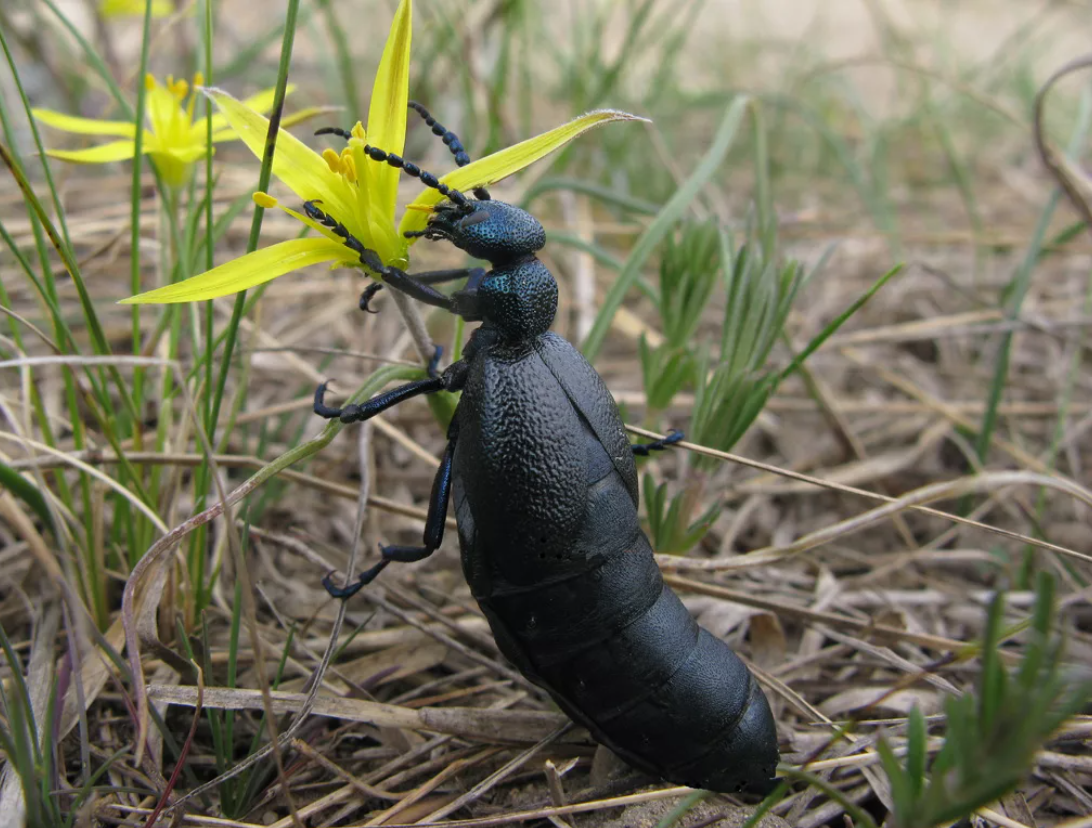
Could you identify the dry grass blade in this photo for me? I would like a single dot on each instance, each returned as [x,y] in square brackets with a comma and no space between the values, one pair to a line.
[913,500]
[507,726]
[874,136]
[1073,180]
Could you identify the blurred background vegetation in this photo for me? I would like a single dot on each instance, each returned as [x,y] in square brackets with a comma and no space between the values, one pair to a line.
[835,252]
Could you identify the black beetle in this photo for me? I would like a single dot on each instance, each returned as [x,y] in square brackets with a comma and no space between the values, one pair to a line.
[545,489]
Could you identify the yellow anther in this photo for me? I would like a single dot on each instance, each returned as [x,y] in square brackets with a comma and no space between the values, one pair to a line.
[198,78]
[149,82]
[179,88]
[332,159]
[348,167]
[264,200]
[358,131]
[421,208]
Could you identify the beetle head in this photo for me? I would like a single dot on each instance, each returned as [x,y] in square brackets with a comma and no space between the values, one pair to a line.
[489,230]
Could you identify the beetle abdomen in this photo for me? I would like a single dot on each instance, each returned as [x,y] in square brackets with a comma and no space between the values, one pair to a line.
[614,646]
[649,683]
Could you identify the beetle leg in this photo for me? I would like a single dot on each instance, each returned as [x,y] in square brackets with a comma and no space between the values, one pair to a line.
[474,276]
[434,530]
[452,379]
[399,280]
[357,412]
[366,577]
[433,367]
[462,303]
[644,449]
[369,293]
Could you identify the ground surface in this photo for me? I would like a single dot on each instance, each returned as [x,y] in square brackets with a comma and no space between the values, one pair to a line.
[898,133]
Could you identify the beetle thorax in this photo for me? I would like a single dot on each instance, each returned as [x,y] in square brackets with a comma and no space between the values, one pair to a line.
[519,299]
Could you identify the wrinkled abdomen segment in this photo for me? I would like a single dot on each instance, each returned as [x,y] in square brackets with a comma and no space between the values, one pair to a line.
[631,664]
[619,652]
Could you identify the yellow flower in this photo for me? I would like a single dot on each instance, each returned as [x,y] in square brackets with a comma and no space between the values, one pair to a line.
[352,189]
[131,8]
[173,138]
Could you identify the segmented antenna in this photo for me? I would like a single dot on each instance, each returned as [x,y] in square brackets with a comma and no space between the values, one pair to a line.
[408,167]
[338,131]
[427,178]
[446,135]
[452,141]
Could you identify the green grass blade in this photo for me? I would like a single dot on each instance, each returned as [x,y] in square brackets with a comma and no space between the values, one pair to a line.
[26,491]
[256,224]
[837,322]
[664,221]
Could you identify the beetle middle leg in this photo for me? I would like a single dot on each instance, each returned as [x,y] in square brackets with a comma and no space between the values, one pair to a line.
[644,449]
[357,412]
[452,379]
[434,528]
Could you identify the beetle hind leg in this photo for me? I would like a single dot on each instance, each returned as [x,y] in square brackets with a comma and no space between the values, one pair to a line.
[434,531]
[406,554]
[365,578]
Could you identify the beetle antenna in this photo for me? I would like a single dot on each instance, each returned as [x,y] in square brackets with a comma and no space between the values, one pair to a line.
[444,134]
[338,131]
[427,178]
[451,140]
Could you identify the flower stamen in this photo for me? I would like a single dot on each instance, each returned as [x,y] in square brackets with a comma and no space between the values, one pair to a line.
[348,166]
[332,159]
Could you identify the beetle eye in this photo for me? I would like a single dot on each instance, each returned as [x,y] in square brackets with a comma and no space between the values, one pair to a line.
[477,217]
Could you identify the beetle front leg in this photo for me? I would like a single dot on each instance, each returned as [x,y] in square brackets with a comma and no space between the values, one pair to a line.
[392,276]
[434,530]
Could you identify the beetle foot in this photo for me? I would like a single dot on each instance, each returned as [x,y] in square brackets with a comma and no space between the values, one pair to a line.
[320,407]
[433,367]
[644,449]
[343,592]
[349,414]
[366,577]
[369,293]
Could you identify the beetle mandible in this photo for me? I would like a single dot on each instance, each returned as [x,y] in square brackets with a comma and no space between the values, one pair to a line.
[544,484]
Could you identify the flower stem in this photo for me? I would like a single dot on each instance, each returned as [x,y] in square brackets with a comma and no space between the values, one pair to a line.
[411,314]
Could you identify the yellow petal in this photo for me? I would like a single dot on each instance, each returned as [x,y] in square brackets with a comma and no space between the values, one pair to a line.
[493,168]
[387,111]
[127,8]
[262,102]
[269,203]
[306,114]
[114,151]
[294,163]
[84,126]
[163,109]
[252,269]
